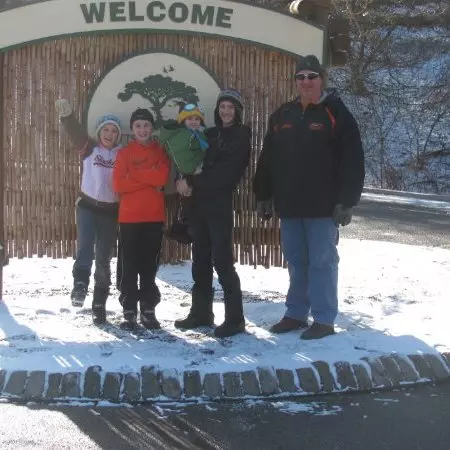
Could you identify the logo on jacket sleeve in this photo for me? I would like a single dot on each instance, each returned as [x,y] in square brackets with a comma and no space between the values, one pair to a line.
[283,126]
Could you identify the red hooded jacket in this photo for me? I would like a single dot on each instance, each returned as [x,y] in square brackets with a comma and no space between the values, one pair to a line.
[139,175]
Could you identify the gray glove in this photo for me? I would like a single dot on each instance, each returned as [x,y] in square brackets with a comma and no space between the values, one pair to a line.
[63,107]
[342,215]
[265,209]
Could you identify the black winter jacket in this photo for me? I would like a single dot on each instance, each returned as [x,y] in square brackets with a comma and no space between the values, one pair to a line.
[311,159]
[224,165]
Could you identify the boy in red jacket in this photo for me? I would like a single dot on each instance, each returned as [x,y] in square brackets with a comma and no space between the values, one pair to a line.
[140,173]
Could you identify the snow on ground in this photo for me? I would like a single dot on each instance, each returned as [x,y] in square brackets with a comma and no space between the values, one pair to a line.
[393,297]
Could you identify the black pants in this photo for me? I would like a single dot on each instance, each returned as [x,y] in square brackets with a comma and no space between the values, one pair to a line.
[213,247]
[140,249]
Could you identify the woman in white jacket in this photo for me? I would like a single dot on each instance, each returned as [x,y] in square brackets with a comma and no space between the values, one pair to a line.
[96,207]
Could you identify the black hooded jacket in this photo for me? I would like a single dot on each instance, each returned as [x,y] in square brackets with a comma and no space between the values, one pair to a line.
[226,159]
[311,159]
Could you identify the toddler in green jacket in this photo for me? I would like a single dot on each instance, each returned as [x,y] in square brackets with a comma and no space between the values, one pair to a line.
[186,144]
[185,141]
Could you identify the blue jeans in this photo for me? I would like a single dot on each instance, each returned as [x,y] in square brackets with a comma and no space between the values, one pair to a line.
[309,247]
[96,236]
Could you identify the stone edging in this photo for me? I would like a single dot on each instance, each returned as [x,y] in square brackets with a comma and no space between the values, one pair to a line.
[153,384]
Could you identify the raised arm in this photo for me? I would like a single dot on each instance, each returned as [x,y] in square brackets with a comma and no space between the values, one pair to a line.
[84,145]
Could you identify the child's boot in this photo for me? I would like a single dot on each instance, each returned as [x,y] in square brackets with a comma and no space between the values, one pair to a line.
[99,305]
[78,294]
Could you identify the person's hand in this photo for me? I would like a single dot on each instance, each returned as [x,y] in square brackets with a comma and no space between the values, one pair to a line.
[342,215]
[183,188]
[63,107]
[265,210]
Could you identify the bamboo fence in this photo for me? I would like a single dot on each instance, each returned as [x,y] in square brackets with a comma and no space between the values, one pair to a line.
[41,174]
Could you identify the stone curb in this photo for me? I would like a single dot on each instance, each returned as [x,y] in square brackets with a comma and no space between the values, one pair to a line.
[154,384]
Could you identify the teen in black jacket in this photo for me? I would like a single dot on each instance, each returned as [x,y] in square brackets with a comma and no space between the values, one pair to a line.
[211,218]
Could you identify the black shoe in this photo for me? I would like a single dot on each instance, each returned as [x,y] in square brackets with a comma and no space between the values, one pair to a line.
[287,324]
[78,294]
[98,305]
[228,329]
[98,314]
[149,320]
[194,321]
[317,331]
[130,321]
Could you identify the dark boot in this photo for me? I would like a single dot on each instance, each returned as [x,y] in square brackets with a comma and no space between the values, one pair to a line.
[317,331]
[149,320]
[80,286]
[201,313]
[234,311]
[78,294]
[287,324]
[228,329]
[130,321]
[99,305]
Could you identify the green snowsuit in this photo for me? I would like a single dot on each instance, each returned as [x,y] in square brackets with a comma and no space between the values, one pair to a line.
[183,147]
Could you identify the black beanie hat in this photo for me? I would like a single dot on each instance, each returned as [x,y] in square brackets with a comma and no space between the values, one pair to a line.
[309,62]
[142,114]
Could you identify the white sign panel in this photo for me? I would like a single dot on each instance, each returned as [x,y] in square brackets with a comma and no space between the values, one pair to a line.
[55,18]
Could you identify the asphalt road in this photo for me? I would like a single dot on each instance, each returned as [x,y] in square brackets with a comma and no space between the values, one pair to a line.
[416,419]
[406,224]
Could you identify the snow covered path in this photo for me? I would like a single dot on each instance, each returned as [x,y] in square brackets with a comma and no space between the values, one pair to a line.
[394,298]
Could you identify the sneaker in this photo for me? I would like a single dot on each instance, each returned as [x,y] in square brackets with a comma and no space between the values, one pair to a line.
[192,321]
[287,324]
[130,321]
[149,320]
[228,329]
[98,314]
[317,331]
[78,294]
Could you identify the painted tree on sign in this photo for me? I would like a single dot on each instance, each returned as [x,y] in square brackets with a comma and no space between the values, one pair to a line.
[159,90]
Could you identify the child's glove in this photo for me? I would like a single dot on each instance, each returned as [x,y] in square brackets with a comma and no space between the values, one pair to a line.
[342,215]
[63,107]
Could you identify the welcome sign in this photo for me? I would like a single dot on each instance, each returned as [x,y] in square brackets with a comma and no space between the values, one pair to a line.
[157,11]
[234,20]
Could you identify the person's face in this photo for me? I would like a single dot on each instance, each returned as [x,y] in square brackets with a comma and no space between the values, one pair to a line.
[108,136]
[309,84]
[227,112]
[193,122]
[142,130]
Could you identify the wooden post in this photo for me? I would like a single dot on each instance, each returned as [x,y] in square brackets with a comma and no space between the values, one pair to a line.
[2,178]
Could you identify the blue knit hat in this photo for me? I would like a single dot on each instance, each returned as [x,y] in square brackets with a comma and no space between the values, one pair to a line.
[106,119]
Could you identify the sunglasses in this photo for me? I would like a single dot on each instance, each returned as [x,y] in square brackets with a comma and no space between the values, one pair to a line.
[192,107]
[307,76]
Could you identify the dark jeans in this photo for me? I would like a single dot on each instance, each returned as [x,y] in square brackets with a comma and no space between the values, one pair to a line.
[140,249]
[96,236]
[213,247]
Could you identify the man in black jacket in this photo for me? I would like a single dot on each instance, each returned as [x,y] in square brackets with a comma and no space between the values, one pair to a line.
[312,168]
[211,217]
